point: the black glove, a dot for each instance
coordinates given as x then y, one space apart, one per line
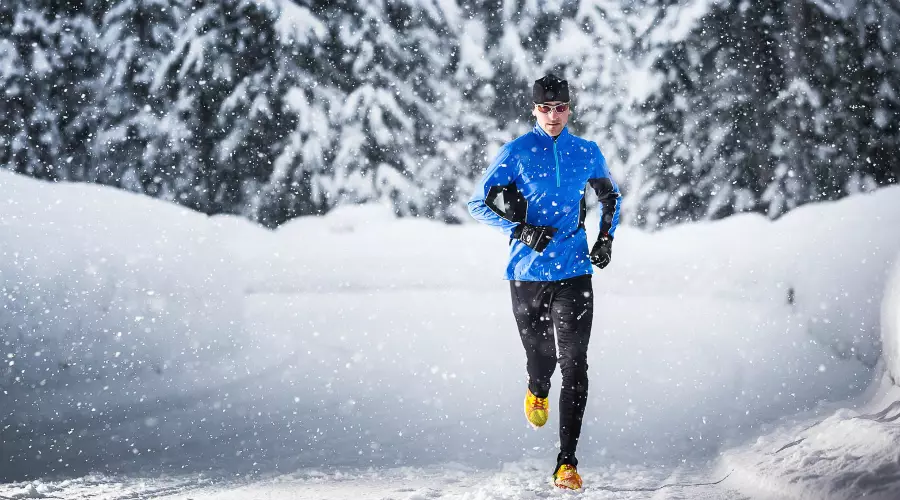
536 237
602 251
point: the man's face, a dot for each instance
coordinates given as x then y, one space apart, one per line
552 121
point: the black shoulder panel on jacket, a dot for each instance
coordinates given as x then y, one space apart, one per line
604 188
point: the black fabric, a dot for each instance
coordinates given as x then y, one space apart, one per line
550 88
567 305
609 198
507 202
582 212
564 458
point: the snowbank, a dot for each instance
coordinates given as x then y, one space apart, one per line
849 454
361 339
110 304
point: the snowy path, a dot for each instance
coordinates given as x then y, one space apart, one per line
521 480
329 357
367 382
320 365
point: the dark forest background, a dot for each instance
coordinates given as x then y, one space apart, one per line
274 109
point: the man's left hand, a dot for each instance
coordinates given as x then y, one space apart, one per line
602 251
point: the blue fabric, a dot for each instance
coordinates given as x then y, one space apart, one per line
552 177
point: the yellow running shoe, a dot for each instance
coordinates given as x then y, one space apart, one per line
567 477
537 410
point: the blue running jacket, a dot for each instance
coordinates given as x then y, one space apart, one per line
540 181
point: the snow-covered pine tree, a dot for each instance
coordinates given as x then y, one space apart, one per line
473 125
862 53
135 36
713 120
50 62
767 105
225 123
439 108
377 120
377 81
12 74
295 186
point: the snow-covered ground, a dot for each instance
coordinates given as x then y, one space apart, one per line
151 351
849 453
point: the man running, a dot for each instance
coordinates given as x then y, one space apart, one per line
534 192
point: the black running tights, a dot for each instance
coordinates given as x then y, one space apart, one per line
569 306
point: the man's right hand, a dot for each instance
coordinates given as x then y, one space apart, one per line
536 237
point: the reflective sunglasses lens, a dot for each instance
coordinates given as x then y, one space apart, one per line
559 108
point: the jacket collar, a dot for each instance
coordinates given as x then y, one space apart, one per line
545 136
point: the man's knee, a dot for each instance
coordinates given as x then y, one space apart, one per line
574 369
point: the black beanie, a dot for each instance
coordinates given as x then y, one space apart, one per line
550 88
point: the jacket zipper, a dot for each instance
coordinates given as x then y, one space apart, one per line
556 159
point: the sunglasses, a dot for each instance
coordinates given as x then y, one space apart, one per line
559 108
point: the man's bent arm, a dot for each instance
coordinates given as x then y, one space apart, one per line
499 177
608 194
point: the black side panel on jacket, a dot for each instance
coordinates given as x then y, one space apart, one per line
507 202
582 213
